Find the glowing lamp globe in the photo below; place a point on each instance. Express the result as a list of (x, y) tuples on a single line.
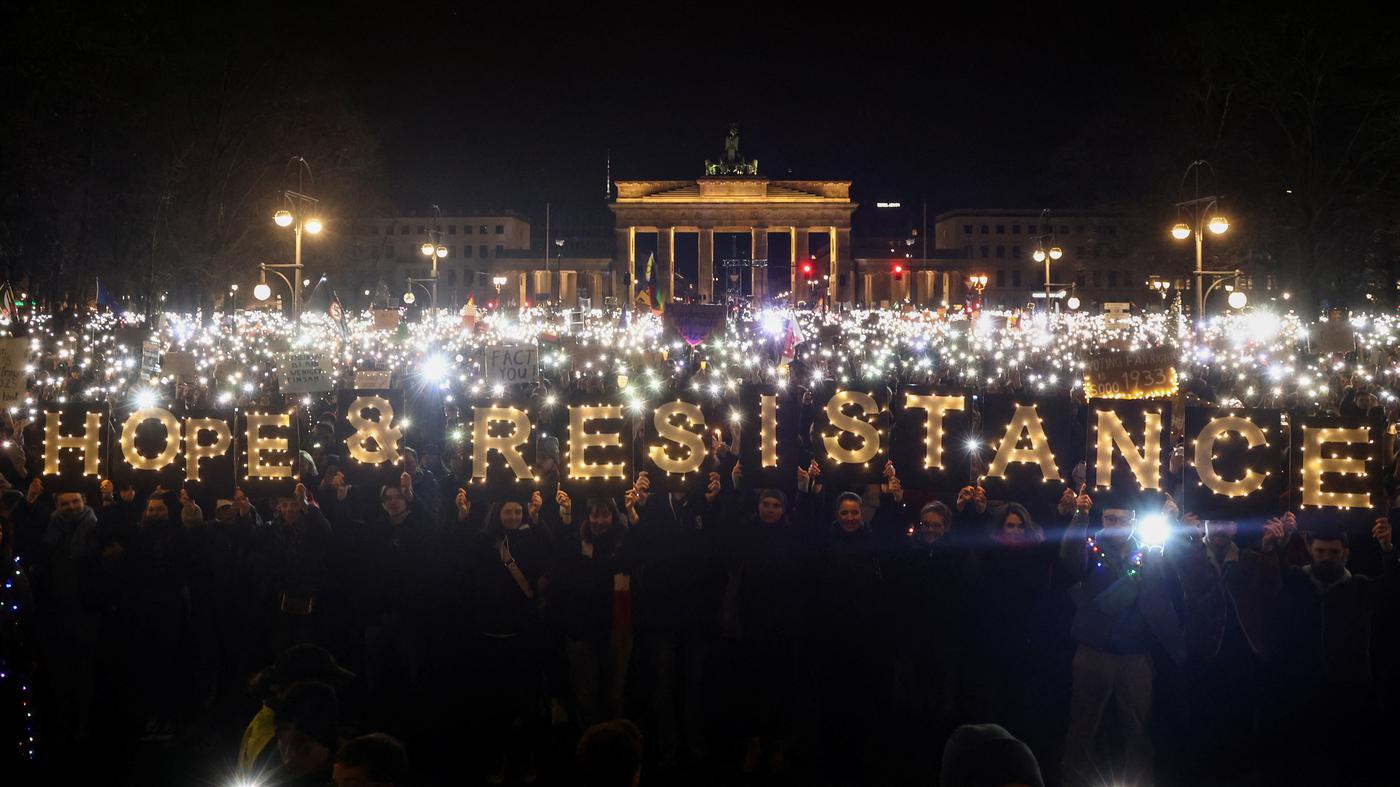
[(1056, 252), (283, 218), (262, 292), (426, 248), (409, 298), (1038, 255), (1218, 224), (313, 225), (441, 251), (1073, 302), (1181, 231), (1237, 300)]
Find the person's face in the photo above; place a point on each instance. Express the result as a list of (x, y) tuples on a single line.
[(156, 510), (288, 509), (1117, 524), (393, 503), (600, 520), (1220, 534), (932, 527), (512, 514), (848, 516), (1329, 558), (70, 504), (770, 510), (300, 754), (1013, 528)]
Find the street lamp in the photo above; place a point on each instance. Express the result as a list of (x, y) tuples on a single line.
[(299, 212), (499, 281), (1202, 217), (978, 281), (1161, 286), (433, 249), (1045, 255)]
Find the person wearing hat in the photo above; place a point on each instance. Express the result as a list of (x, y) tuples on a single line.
[(308, 736), (298, 664), (1122, 609)]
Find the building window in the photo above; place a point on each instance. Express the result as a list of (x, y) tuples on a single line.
[(1016, 252), (1113, 278), (1001, 278), (984, 229), (452, 229), (389, 252), (1079, 229), (986, 252), (1001, 252), (1016, 278), (1094, 276), (452, 277), (466, 229), (403, 230), (967, 229), (967, 252), (1128, 278), (420, 229), (451, 252), (1015, 229), (500, 229), (481, 278), (467, 251), (1001, 229), (500, 249), (374, 253), (482, 252), (483, 229)]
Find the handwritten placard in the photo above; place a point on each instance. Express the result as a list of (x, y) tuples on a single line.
[(14, 356), (512, 363), (1131, 375), (305, 373)]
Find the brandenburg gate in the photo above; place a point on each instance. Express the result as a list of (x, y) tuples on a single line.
[(732, 198)]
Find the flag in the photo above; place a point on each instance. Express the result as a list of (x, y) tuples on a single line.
[(104, 298), (10, 312), (337, 312)]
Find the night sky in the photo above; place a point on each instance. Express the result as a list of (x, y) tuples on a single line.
[(479, 109)]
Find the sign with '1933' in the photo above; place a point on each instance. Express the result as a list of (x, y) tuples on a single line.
[(1141, 374)]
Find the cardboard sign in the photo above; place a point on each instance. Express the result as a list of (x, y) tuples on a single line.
[(1143, 374), (695, 322), (369, 455), (14, 357), (386, 319), (305, 373), (1233, 462), (502, 440), (1030, 449), (929, 439), (510, 364), (180, 364), (366, 380), (768, 441), (1126, 450), (72, 437), (268, 451), (150, 358), (597, 448), (849, 435)]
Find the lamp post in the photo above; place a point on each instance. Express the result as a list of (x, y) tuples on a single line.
[(979, 283), (298, 211), (433, 249), (1203, 216), (499, 281), (1161, 286), (1044, 254)]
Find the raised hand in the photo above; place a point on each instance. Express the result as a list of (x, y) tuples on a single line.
[(1381, 532), (406, 486), (1083, 503), (240, 502), (36, 488), (712, 488), (107, 490), (642, 488), (979, 499), (1273, 535), (338, 484), (965, 496), (566, 506), (533, 510), (1066, 505)]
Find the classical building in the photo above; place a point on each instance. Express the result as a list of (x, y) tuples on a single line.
[(732, 198), (387, 250)]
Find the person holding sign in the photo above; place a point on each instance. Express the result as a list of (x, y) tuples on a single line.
[(1321, 619), (297, 545), (506, 566), (1122, 608)]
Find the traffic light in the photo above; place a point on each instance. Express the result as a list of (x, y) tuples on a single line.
[(807, 270), (899, 271)]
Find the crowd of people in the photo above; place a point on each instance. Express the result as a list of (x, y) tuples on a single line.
[(446, 633)]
